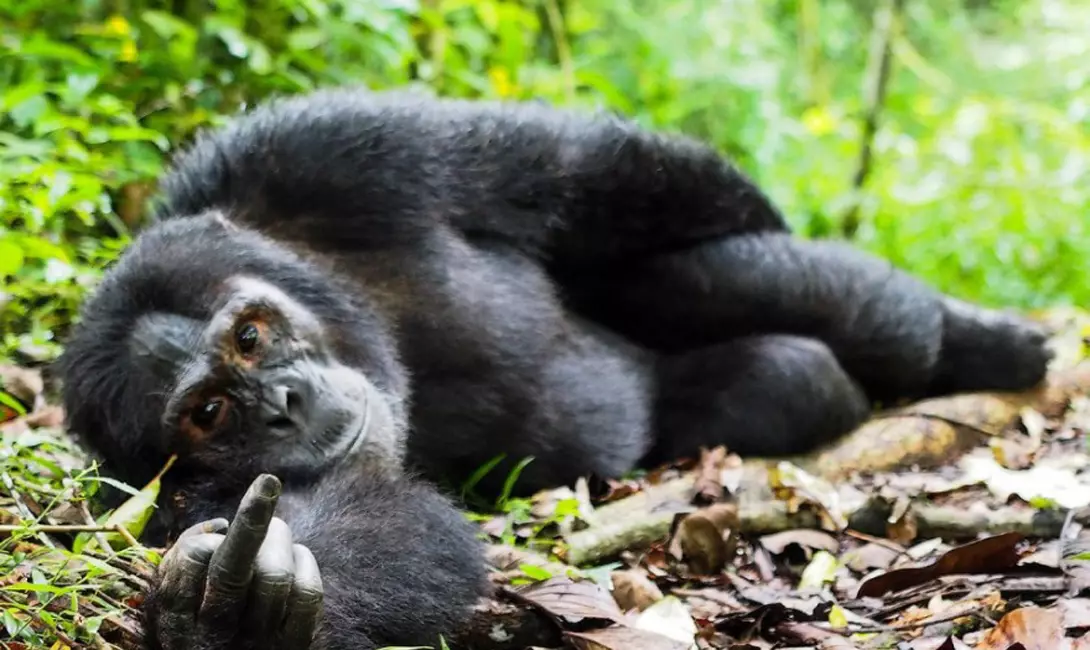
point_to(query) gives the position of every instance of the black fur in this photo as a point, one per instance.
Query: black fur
(527, 281)
(399, 564)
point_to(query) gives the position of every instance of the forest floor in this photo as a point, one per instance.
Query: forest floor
(952, 523)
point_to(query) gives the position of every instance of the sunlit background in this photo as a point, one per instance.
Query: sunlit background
(977, 177)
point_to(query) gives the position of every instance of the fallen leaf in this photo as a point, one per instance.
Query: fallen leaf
(1033, 627)
(1076, 612)
(1074, 555)
(708, 486)
(816, 540)
(670, 618)
(902, 525)
(989, 555)
(748, 625)
(870, 556)
(1057, 480)
(46, 417)
(573, 601)
(705, 539)
(820, 570)
(796, 487)
(23, 384)
(632, 589)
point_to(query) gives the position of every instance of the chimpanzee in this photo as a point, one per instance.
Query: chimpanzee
(350, 297)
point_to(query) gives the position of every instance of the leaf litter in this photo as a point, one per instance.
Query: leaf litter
(952, 523)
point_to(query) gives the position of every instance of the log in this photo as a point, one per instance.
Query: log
(926, 434)
(766, 515)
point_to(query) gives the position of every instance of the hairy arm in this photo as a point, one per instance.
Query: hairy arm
(349, 169)
(356, 562)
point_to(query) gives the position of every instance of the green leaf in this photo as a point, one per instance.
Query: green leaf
(127, 489)
(29, 110)
(306, 38)
(260, 60)
(11, 258)
(820, 570)
(40, 248)
(132, 515)
(6, 399)
(233, 38)
(535, 572)
(167, 25)
(79, 85)
(512, 478)
(480, 473)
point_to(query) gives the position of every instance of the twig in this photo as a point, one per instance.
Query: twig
(24, 511)
(100, 537)
(126, 535)
(35, 617)
(72, 528)
(900, 627)
(876, 82)
(880, 541)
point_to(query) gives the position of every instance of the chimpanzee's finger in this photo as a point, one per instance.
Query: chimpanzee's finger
(217, 525)
(232, 565)
(304, 601)
(269, 588)
(180, 586)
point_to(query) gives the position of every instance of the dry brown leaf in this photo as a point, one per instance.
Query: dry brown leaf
(1076, 612)
(46, 417)
(902, 526)
(870, 556)
(708, 486)
(573, 601)
(796, 487)
(23, 384)
(632, 589)
(990, 555)
(1033, 627)
(705, 539)
(816, 540)
(669, 617)
(752, 624)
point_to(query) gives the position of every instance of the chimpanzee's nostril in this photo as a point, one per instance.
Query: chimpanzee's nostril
(283, 407)
(294, 404)
(280, 423)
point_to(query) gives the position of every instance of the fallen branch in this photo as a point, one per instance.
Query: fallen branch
(927, 433)
(765, 515)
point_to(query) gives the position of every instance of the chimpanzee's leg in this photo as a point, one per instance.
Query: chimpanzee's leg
(758, 395)
(894, 334)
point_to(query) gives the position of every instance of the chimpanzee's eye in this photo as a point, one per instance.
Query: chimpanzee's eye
(247, 337)
(210, 414)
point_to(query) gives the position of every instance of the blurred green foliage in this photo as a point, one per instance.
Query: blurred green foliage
(978, 181)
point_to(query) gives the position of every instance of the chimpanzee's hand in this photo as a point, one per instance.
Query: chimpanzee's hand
(243, 586)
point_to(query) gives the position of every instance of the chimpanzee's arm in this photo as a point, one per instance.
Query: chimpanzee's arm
(356, 562)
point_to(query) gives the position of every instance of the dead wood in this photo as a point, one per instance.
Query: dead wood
(927, 433)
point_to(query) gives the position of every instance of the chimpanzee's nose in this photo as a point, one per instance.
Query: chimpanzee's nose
(283, 406)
